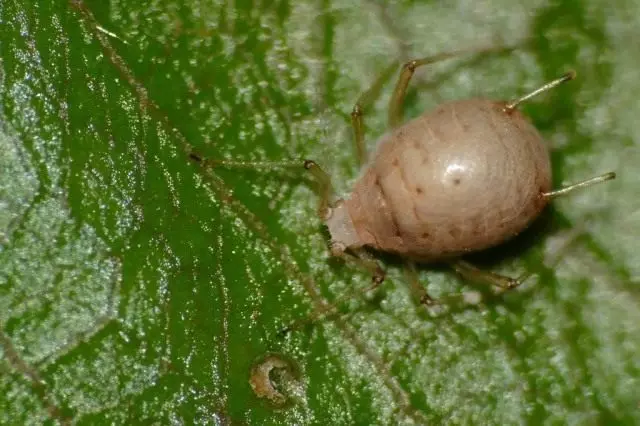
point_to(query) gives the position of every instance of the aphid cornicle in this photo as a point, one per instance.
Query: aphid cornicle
(464, 177)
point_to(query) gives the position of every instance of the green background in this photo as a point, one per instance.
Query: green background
(137, 286)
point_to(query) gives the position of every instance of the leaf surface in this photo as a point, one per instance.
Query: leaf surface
(138, 284)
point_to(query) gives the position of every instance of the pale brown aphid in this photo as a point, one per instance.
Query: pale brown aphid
(464, 177)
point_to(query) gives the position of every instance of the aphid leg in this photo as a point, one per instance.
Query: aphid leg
(399, 92)
(418, 291)
(361, 259)
(421, 296)
(569, 188)
(408, 69)
(324, 181)
(324, 187)
(472, 273)
(364, 102)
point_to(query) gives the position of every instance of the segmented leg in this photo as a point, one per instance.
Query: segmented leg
(365, 260)
(322, 178)
(408, 69)
(364, 102)
(417, 290)
(472, 273)
(324, 187)
(361, 259)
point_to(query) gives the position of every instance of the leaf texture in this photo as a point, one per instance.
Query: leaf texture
(138, 284)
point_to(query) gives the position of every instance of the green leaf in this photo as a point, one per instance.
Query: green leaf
(140, 285)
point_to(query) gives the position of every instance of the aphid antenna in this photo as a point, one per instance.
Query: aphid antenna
(511, 106)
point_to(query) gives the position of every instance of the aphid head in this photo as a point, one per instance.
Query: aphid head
(343, 233)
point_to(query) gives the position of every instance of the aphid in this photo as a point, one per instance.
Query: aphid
(464, 177)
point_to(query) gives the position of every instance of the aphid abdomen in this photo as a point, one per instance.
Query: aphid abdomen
(464, 177)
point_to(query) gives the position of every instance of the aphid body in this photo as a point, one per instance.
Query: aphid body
(463, 177)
